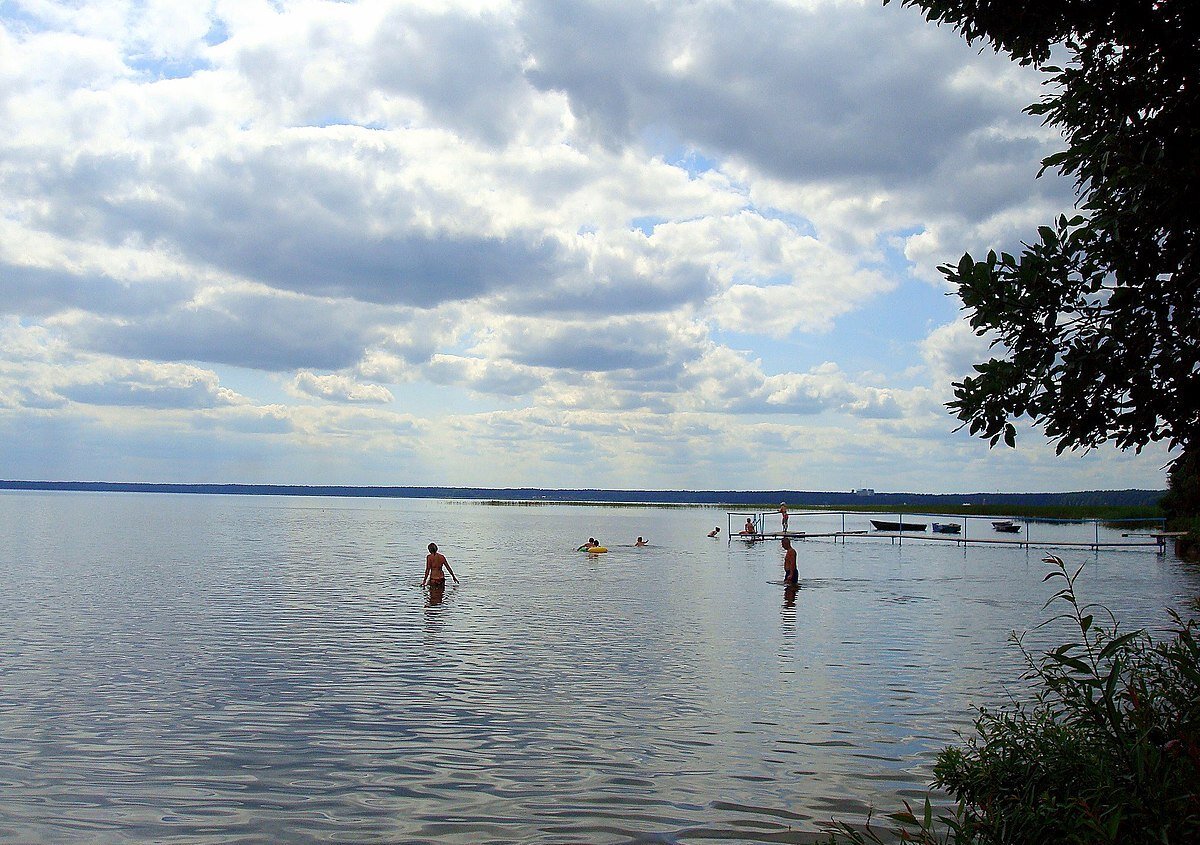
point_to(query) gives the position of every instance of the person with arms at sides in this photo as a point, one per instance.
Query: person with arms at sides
(791, 575)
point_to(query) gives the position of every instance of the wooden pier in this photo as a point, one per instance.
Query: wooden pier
(1153, 539)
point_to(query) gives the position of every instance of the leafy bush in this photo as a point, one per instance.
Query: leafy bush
(1107, 752)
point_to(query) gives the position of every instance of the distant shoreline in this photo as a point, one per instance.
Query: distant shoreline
(738, 498)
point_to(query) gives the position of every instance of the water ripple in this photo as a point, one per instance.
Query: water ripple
(215, 670)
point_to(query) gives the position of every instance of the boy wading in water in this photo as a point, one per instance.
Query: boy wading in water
(434, 563)
(791, 575)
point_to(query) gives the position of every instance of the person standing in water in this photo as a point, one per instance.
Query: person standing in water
(791, 575)
(783, 512)
(435, 561)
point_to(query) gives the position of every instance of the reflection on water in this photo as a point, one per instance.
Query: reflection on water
(434, 594)
(213, 669)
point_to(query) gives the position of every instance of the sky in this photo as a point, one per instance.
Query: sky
(556, 243)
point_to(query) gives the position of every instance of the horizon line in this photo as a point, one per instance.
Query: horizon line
(185, 486)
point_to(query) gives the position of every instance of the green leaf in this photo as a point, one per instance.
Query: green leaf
(1114, 645)
(1072, 662)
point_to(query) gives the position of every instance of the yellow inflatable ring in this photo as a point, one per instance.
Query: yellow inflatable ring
(597, 550)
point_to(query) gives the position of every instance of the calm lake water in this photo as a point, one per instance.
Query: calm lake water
(208, 669)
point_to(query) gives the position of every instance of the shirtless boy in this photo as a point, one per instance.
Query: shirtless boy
(434, 561)
(791, 575)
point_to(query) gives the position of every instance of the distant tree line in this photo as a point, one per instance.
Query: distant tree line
(737, 498)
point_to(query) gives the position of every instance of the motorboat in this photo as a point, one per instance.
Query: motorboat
(881, 525)
(947, 528)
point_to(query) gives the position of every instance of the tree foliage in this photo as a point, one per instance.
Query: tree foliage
(1097, 322)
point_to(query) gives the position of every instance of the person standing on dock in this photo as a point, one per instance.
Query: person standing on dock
(783, 512)
(791, 575)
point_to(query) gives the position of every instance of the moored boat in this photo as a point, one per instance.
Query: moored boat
(947, 527)
(881, 525)
(1006, 526)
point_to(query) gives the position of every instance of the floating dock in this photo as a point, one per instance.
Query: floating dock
(1027, 538)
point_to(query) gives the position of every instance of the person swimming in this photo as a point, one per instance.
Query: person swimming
(714, 532)
(641, 542)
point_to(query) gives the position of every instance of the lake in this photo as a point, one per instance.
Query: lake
(216, 669)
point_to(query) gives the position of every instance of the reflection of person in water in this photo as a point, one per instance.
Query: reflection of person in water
(789, 595)
(791, 575)
(436, 593)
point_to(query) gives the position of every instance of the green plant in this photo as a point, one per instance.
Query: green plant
(1108, 751)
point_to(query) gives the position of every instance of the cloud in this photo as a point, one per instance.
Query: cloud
(439, 58)
(242, 327)
(299, 214)
(588, 347)
(482, 375)
(951, 351)
(791, 104)
(147, 385)
(645, 237)
(38, 291)
(339, 388)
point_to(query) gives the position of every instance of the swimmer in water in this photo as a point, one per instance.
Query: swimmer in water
(641, 542)
(714, 532)
(435, 561)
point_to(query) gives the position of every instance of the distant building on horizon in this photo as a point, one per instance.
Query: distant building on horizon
(865, 491)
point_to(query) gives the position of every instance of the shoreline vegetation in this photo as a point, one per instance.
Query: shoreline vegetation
(1089, 504)
(1107, 749)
